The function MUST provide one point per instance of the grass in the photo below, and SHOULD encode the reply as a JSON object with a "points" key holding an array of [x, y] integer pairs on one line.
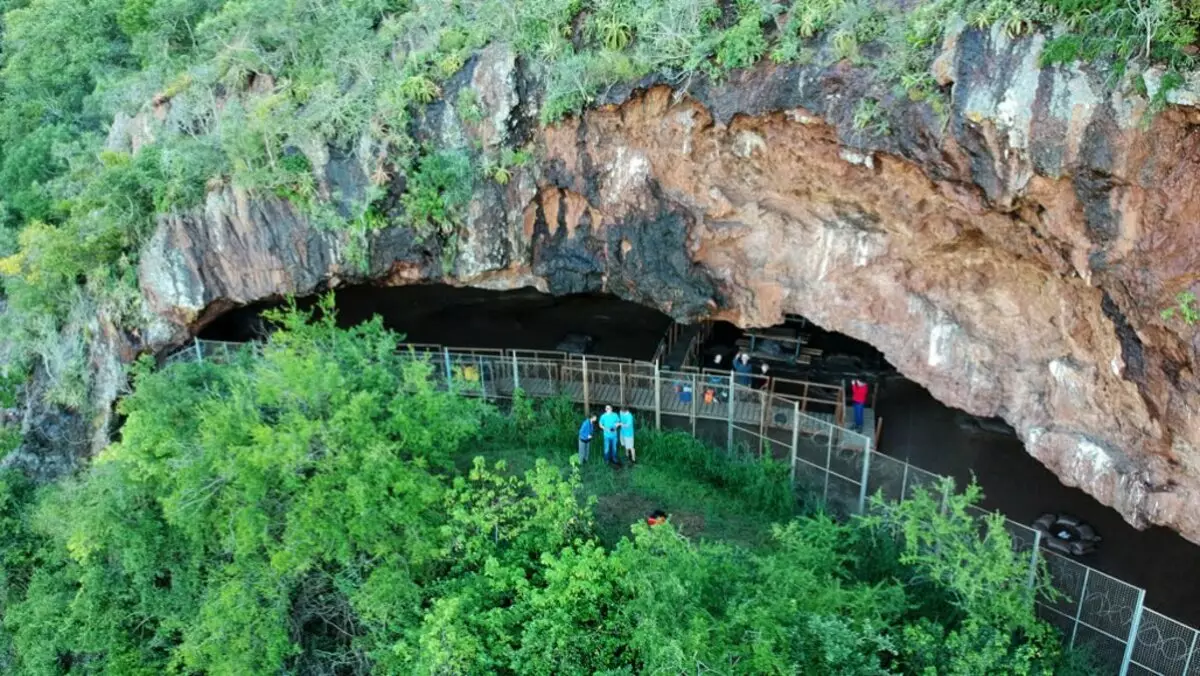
{"points": [[707, 493]]}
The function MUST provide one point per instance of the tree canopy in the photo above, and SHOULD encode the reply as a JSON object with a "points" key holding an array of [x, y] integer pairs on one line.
{"points": [[318, 507]]}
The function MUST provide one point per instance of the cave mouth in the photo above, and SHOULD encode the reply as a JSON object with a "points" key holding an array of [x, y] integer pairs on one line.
{"points": [[469, 317], [915, 426]]}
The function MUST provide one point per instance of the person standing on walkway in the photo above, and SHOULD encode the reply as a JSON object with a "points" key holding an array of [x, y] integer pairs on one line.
{"points": [[627, 434], [858, 397], [741, 365], [609, 422], [586, 430]]}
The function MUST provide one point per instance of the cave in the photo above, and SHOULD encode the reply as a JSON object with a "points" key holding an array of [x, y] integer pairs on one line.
{"points": [[907, 421]]}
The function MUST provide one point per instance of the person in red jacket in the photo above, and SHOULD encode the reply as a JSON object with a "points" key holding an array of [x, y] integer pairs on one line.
{"points": [[858, 396]]}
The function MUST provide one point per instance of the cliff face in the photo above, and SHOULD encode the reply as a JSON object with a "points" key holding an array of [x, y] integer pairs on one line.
{"points": [[1012, 257]]}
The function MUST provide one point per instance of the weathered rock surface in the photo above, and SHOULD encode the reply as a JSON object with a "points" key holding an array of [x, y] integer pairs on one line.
{"points": [[1013, 257]]}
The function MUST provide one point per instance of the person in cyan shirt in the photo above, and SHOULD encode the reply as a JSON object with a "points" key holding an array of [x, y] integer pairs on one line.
{"points": [[585, 438], [609, 422], [627, 434]]}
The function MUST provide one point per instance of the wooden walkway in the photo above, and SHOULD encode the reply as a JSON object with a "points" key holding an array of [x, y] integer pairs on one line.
{"points": [[747, 411]]}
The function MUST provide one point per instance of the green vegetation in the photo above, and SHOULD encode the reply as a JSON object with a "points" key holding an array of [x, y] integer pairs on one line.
{"points": [[319, 508], [253, 93], [1185, 309]]}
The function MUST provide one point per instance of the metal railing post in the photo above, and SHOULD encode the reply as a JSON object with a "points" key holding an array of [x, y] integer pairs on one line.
{"points": [[516, 374], [828, 464], [1133, 632], [587, 400], [795, 437], [482, 378], [657, 397], [729, 439], [904, 483], [866, 475], [1033, 559], [622, 381], [1087, 572], [446, 362], [199, 352], [695, 398]]}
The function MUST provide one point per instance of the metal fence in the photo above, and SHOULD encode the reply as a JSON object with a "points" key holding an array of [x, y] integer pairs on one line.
{"points": [[1090, 609]]}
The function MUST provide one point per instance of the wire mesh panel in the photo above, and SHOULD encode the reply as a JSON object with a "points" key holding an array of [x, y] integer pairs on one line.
{"points": [[1162, 645], [1107, 652], [538, 377], [570, 383], [1023, 537], [1066, 578], [713, 400], [1109, 604], [606, 384], [848, 464], [886, 477], [499, 380], [841, 496], [678, 394], [919, 478], [713, 432], [747, 442], [639, 390]]}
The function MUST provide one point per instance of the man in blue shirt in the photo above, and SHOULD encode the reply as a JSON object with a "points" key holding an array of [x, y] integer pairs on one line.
{"points": [[627, 434], [609, 422], [585, 438]]}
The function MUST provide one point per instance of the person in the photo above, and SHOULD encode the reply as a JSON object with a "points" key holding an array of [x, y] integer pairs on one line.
{"points": [[684, 389], [609, 422], [713, 393], [586, 430], [766, 379], [741, 365], [858, 396], [656, 518], [627, 434]]}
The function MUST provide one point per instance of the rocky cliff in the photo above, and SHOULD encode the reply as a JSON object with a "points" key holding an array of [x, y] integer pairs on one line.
{"points": [[1012, 254]]}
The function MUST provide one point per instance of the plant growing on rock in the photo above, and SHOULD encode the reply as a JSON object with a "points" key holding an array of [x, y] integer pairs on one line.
{"points": [[870, 118], [1184, 309]]}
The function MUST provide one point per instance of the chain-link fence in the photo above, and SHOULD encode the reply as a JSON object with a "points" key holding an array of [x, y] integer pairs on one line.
{"points": [[829, 463]]}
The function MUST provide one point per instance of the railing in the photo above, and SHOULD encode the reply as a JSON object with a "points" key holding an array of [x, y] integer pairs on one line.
{"points": [[1094, 609]]}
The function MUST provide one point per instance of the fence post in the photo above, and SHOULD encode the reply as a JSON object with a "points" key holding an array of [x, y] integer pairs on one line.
{"points": [[904, 483], [516, 375], [657, 397], [1133, 632], [446, 362], [621, 382], [1033, 559], [1087, 572], [866, 474], [199, 352], [828, 463], [482, 377], [695, 398], [587, 400], [729, 439], [764, 404], [795, 437]]}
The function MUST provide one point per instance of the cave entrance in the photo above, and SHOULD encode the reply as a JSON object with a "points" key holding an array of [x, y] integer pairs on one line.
{"points": [[467, 317]]}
